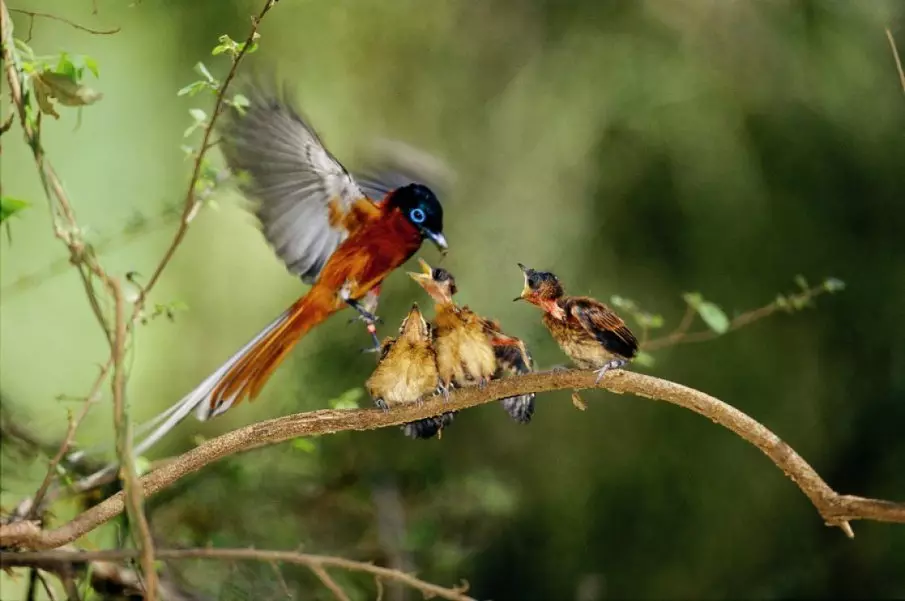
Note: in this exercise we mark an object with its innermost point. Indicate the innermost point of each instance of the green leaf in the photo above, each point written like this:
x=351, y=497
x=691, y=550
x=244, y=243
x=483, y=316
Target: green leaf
x=801, y=282
x=833, y=285
x=644, y=359
x=626, y=304
x=306, y=445
x=201, y=69
x=348, y=399
x=693, y=298
x=92, y=65
x=192, y=89
x=198, y=115
x=714, y=317
x=62, y=88
x=142, y=465
x=9, y=206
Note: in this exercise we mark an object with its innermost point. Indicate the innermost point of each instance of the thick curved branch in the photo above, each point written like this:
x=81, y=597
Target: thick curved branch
x=835, y=509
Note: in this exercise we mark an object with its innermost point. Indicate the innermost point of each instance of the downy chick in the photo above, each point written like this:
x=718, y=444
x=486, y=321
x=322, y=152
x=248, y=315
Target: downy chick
x=407, y=372
x=588, y=331
x=464, y=353
x=471, y=348
x=407, y=368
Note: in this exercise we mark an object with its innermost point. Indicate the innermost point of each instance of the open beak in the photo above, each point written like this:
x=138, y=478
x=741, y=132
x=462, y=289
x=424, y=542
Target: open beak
x=425, y=277
x=438, y=239
x=526, y=291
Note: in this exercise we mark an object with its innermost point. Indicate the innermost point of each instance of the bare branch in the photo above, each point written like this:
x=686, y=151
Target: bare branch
x=835, y=509
x=33, y=13
x=67, y=439
x=317, y=563
x=328, y=582
x=123, y=429
x=189, y=205
x=895, y=55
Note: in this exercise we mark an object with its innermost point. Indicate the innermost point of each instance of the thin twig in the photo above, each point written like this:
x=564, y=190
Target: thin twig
x=895, y=55
x=278, y=573
x=43, y=15
x=836, y=509
x=123, y=429
x=68, y=438
x=681, y=335
x=189, y=208
x=43, y=558
x=328, y=582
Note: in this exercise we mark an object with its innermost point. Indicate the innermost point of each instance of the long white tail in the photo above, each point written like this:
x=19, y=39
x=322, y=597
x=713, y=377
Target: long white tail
x=198, y=400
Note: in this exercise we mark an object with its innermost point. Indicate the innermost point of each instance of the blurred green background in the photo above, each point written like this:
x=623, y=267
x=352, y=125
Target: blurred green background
x=640, y=148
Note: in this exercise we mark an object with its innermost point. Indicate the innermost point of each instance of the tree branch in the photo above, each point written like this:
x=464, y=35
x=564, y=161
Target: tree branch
x=51, y=560
x=190, y=205
x=834, y=508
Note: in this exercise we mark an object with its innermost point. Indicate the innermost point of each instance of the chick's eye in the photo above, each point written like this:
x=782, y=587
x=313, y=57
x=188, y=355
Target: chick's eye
x=532, y=281
x=417, y=216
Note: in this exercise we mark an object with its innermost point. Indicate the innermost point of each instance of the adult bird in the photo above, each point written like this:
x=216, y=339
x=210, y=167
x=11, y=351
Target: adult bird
x=338, y=234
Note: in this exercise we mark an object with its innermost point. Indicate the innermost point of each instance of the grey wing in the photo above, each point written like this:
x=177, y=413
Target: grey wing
x=393, y=164
x=304, y=194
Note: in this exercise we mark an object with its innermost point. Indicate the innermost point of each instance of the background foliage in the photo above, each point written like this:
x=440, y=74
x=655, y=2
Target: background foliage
x=643, y=149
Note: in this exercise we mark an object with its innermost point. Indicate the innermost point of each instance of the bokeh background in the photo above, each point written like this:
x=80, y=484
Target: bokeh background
x=643, y=149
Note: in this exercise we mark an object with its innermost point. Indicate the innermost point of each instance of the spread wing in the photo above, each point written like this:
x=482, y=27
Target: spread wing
x=307, y=202
x=604, y=325
x=393, y=164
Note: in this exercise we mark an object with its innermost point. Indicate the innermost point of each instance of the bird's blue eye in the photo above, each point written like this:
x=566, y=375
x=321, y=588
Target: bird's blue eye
x=417, y=216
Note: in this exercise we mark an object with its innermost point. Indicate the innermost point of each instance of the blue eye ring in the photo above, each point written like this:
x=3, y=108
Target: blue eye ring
x=417, y=215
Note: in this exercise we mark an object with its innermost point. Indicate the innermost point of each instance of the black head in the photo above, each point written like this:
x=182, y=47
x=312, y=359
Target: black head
x=540, y=285
x=422, y=209
x=440, y=276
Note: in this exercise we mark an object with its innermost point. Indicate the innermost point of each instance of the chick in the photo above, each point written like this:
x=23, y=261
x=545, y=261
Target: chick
x=407, y=368
x=465, y=355
x=512, y=358
x=407, y=372
x=588, y=331
x=471, y=348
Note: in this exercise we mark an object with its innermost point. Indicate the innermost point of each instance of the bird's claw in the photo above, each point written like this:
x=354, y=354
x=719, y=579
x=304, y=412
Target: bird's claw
x=443, y=389
x=382, y=404
x=614, y=364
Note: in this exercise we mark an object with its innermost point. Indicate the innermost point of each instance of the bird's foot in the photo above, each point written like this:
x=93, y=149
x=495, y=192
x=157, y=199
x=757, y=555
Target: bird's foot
x=381, y=404
x=482, y=383
x=443, y=390
x=377, y=347
x=613, y=364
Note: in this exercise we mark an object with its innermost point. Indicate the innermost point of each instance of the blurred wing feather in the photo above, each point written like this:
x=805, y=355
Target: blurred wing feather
x=307, y=202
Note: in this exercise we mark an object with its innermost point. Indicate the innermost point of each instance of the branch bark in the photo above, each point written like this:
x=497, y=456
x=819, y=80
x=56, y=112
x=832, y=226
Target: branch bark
x=52, y=560
x=836, y=509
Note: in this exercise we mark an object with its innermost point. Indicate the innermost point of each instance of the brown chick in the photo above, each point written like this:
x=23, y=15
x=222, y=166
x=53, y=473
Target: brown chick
x=471, y=348
x=588, y=331
x=512, y=358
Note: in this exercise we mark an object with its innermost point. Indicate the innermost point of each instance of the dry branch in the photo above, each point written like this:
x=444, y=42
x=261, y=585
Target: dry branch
x=56, y=560
x=836, y=509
